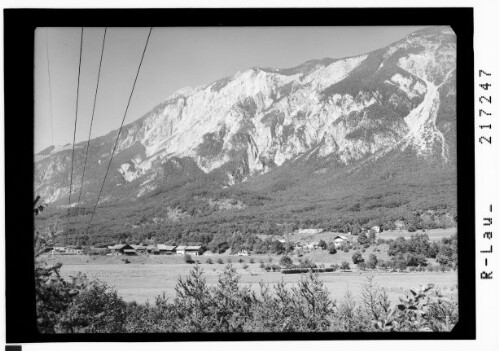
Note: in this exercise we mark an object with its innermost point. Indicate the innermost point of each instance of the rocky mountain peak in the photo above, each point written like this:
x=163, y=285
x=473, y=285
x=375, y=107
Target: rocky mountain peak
x=345, y=112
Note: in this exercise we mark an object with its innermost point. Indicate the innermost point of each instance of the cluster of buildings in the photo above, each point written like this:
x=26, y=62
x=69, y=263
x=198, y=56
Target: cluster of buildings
x=338, y=241
x=62, y=250
x=196, y=250
x=159, y=249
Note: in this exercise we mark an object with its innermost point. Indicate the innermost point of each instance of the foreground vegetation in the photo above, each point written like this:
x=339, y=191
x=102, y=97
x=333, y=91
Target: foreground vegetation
x=90, y=306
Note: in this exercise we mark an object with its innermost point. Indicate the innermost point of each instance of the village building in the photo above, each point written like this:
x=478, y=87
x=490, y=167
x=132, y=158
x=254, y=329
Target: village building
x=181, y=250
x=193, y=250
x=152, y=249
x=243, y=253
x=340, y=240
x=166, y=249
x=376, y=229
x=120, y=249
x=130, y=252
x=139, y=248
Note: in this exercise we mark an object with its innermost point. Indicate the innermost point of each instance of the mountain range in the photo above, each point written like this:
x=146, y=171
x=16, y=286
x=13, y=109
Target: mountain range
x=369, y=138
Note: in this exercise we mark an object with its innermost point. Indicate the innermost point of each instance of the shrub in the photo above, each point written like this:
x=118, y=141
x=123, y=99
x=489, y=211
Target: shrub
x=362, y=265
x=229, y=260
x=94, y=309
x=357, y=258
x=415, y=260
x=286, y=261
x=252, y=260
x=262, y=265
x=220, y=261
x=306, y=263
x=362, y=239
x=345, y=265
x=400, y=264
x=188, y=259
x=334, y=267
x=209, y=260
x=241, y=260
x=332, y=248
x=322, y=244
x=372, y=261
x=245, y=266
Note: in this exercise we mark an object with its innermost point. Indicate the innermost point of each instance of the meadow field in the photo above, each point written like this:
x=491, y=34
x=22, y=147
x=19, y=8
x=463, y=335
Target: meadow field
x=146, y=277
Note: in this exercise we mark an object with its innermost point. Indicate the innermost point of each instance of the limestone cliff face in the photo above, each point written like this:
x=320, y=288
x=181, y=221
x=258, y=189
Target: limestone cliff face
x=401, y=97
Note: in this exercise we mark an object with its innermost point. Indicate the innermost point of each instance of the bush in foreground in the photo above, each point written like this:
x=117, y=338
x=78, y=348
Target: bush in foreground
x=228, y=306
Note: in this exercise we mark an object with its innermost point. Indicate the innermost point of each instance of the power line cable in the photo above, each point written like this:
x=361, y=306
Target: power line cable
x=121, y=126
x=50, y=84
x=93, y=113
x=50, y=98
x=76, y=120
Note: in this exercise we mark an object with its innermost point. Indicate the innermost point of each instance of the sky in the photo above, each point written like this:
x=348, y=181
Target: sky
x=175, y=58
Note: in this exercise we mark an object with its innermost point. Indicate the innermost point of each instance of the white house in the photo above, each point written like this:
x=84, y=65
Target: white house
x=376, y=229
x=181, y=250
x=340, y=240
x=243, y=253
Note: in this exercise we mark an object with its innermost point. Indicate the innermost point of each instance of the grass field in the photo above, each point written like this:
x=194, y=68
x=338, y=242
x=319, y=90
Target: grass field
x=147, y=277
x=433, y=234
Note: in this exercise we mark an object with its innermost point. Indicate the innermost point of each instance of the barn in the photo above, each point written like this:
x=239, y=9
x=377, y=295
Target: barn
x=120, y=249
x=166, y=249
x=193, y=250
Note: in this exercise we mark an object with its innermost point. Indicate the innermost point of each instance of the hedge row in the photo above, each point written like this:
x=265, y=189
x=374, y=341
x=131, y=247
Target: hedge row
x=306, y=270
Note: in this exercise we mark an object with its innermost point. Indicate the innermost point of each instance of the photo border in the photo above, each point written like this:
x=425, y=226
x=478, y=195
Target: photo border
x=19, y=29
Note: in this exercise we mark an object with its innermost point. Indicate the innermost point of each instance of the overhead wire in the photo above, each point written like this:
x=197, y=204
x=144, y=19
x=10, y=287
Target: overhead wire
x=121, y=127
x=74, y=132
x=50, y=212
x=50, y=84
x=93, y=113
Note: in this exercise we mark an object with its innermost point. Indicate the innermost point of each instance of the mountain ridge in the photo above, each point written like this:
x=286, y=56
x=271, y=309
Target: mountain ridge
x=335, y=116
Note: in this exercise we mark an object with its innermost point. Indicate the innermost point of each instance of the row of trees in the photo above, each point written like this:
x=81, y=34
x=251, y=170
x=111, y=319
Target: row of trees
x=413, y=252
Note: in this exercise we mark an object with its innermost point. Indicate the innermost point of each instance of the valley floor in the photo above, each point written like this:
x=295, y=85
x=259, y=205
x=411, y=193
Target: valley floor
x=149, y=276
